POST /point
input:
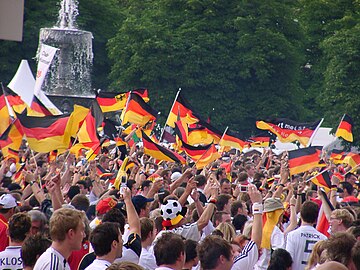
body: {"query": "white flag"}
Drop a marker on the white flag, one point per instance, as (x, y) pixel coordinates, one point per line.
(46, 56)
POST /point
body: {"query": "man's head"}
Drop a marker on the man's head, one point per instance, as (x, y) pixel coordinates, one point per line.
(141, 204)
(250, 169)
(104, 162)
(225, 186)
(347, 188)
(339, 246)
(221, 217)
(19, 227)
(350, 178)
(106, 239)
(67, 226)
(223, 202)
(38, 221)
(7, 205)
(32, 248)
(148, 230)
(215, 253)
(238, 207)
(200, 181)
(309, 212)
(340, 220)
(220, 174)
(169, 250)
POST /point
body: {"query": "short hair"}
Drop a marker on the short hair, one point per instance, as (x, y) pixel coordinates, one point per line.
(168, 248)
(222, 200)
(80, 202)
(124, 266)
(249, 165)
(102, 237)
(147, 227)
(280, 260)
(200, 180)
(63, 220)
(224, 180)
(219, 172)
(19, 226)
(235, 205)
(32, 248)
(309, 212)
(355, 254)
(242, 177)
(345, 216)
(37, 215)
(190, 250)
(210, 250)
(239, 222)
(164, 172)
(349, 188)
(146, 183)
(218, 216)
(339, 246)
(115, 215)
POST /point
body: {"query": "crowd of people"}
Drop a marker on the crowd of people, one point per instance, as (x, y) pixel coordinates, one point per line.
(239, 212)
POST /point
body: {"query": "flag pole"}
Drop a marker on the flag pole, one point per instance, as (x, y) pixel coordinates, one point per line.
(162, 133)
(227, 127)
(315, 131)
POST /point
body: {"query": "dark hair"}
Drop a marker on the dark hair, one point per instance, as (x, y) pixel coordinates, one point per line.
(339, 246)
(219, 172)
(115, 215)
(102, 237)
(280, 260)
(355, 254)
(200, 180)
(32, 248)
(222, 199)
(239, 222)
(190, 250)
(349, 188)
(80, 202)
(168, 249)
(309, 212)
(146, 183)
(73, 190)
(19, 226)
(210, 250)
(224, 180)
(235, 205)
(218, 216)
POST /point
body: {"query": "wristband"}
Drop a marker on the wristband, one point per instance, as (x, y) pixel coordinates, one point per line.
(292, 204)
(281, 185)
(212, 201)
(333, 186)
(257, 208)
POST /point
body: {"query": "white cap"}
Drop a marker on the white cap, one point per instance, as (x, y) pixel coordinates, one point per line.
(7, 201)
(175, 176)
(13, 168)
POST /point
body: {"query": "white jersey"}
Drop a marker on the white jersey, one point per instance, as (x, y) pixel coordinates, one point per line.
(98, 265)
(300, 243)
(51, 260)
(10, 258)
(277, 241)
(147, 259)
(247, 258)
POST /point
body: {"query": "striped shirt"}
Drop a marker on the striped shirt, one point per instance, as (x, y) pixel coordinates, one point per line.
(51, 260)
(247, 258)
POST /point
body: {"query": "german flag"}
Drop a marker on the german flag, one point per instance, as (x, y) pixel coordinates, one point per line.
(322, 179)
(289, 131)
(17, 177)
(12, 137)
(88, 132)
(15, 101)
(352, 159)
(304, 159)
(345, 128)
(211, 130)
(182, 108)
(77, 118)
(263, 140)
(209, 156)
(137, 111)
(195, 152)
(38, 107)
(52, 156)
(232, 140)
(45, 134)
(181, 130)
(337, 156)
(159, 152)
(111, 102)
(4, 115)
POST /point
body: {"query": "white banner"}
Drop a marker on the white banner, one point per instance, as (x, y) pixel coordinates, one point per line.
(46, 56)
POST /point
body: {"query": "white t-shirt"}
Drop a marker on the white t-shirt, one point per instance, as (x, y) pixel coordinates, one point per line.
(98, 265)
(277, 241)
(147, 259)
(51, 259)
(188, 231)
(247, 258)
(300, 243)
(11, 259)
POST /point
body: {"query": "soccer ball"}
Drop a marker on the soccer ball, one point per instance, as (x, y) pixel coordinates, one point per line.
(171, 210)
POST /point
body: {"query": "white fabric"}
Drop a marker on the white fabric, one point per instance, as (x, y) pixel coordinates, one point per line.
(51, 259)
(277, 241)
(208, 229)
(98, 265)
(128, 255)
(188, 231)
(247, 258)
(300, 243)
(10, 258)
(147, 259)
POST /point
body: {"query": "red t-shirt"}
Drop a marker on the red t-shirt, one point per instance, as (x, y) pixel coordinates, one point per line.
(4, 238)
(76, 256)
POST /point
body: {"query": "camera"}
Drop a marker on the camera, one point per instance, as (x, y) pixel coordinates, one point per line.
(243, 188)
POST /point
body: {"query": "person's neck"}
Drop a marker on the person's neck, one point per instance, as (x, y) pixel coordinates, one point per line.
(172, 266)
(303, 223)
(27, 268)
(15, 244)
(110, 257)
(62, 248)
(147, 243)
(188, 265)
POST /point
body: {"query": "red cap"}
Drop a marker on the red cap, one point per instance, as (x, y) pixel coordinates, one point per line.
(105, 205)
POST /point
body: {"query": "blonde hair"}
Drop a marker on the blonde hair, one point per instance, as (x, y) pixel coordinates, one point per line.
(346, 217)
(63, 220)
(315, 254)
(227, 230)
(248, 229)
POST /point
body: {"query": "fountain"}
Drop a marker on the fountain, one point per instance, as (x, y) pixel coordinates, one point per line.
(69, 73)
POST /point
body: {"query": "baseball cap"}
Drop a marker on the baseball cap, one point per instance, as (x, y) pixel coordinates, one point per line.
(104, 205)
(175, 176)
(7, 201)
(139, 201)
